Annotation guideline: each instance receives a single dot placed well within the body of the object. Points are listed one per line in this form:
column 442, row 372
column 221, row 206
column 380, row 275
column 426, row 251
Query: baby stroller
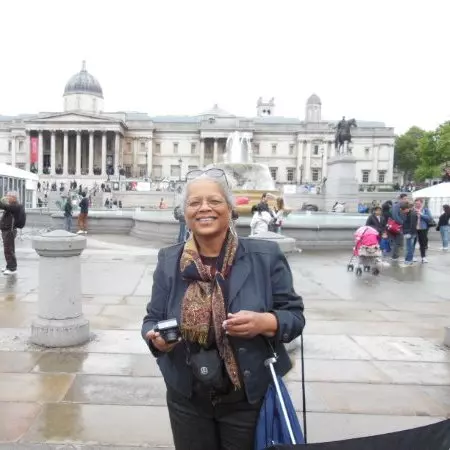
column 366, row 252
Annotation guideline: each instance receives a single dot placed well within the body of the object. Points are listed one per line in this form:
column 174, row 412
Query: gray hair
column 220, row 182
column 13, row 194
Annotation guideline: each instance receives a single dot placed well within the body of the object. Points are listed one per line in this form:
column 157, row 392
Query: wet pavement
column 373, row 346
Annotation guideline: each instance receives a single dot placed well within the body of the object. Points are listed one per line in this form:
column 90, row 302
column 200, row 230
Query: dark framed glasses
column 213, row 172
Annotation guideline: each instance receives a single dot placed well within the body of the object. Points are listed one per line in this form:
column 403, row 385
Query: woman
column 409, row 231
column 377, row 221
column 260, row 220
column 443, row 226
column 424, row 218
column 231, row 297
column 279, row 214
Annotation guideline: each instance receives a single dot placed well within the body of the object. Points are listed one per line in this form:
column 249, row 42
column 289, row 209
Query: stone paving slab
column 373, row 349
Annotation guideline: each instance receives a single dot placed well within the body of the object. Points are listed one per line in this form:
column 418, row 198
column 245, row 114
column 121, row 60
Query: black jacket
column 261, row 281
column 410, row 224
column 443, row 220
column 10, row 215
column 379, row 225
column 84, row 205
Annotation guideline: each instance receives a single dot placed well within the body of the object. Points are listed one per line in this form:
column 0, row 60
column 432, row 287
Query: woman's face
column 418, row 204
column 378, row 212
column 207, row 212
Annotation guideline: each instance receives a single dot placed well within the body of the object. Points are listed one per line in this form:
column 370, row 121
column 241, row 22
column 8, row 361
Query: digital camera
column 169, row 330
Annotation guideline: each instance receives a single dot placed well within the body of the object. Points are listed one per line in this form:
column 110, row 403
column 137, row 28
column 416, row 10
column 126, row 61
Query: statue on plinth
column 343, row 136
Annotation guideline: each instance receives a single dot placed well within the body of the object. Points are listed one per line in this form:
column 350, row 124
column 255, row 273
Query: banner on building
column 33, row 150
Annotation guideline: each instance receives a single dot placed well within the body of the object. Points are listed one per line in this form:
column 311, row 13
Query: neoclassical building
column 86, row 143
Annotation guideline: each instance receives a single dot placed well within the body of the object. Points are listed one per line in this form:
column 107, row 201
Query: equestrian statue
column 343, row 135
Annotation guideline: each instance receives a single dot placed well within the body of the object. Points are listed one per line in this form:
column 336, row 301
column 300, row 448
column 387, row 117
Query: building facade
column 87, row 144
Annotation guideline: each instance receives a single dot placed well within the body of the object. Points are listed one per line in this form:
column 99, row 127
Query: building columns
column 91, row 153
column 78, row 154
column 215, row 152
column 299, row 168
column 135, row 157
column 40, row 153
column 28, row 151
column 66, row 154
column 13, row 151
column 308, row 161
column 374, row 177
column 52, row 152
column 116, row 152
column 149, row 158
column 202, row 153
column 103, row 168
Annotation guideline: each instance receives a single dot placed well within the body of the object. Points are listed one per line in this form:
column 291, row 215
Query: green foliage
column 407, row 152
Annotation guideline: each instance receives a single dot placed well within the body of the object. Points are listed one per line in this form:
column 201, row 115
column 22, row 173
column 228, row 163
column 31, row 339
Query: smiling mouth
column 205, row 219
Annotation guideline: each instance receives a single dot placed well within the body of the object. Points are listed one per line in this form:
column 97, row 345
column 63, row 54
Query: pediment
column 72, row 117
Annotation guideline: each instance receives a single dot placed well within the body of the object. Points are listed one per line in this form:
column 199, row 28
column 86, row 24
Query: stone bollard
column 60, row 321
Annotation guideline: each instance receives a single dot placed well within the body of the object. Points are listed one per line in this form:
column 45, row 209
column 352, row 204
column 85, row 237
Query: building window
column 273, row 172
column 20, row 166
column 193, row 149
column 290, row 174
column 128, row 149
column 315, row 174
column 9, row 146
column 128, row 171
column 256, row 149
column 20, row 146
column 157, row 172
column 291, row 149
column 142, row 170
column 175, row 148
column 365, row 176
column 316, row 150
column 381, row 176
column 175, row 171
column 366, row 150
column 274, row 149
column 142, row 147
column 192, row 168
column 157, row 148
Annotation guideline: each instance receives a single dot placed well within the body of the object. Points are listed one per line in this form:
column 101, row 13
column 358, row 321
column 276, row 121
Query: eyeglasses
column 213, row 172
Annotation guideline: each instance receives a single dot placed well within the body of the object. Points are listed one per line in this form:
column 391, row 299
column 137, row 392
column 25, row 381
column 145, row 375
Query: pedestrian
column 377, row 221
column 68, row 209
column 13, row 217
column 228, row 297
column 443, row 226
column 83, row 214
column 409, row 231
column 397, row 238
column 424, row 220
column 178, row 215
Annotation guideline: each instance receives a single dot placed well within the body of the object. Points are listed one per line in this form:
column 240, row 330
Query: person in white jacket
column 260, row 221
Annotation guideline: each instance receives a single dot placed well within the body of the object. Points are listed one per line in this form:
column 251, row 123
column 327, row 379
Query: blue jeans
column 68, row 223
column 410, row 246
column 444, row 235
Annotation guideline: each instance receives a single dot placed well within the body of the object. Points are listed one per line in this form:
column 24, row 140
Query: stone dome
column 314, row 100
column 83, row 83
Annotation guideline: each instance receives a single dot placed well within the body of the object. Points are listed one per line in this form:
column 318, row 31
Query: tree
column 434, row 152
column 407, row 152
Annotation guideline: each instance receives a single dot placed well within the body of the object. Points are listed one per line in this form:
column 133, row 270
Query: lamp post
column 180, row 162
column 301, row 174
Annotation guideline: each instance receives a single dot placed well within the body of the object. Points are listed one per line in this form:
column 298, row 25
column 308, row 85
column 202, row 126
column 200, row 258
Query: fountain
column 248, row 180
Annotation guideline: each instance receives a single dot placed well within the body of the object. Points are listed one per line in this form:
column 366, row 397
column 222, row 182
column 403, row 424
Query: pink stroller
column 366, row 252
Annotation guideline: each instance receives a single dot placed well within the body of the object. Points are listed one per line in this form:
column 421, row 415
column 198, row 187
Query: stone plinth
column 447, row 336
column 60, row 321
column 342, row 185
column 287, row 244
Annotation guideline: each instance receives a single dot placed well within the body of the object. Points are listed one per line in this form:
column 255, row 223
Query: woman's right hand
column 158, row 342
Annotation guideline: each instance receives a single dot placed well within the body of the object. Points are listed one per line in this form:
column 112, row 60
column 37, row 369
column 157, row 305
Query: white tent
column 437, row 195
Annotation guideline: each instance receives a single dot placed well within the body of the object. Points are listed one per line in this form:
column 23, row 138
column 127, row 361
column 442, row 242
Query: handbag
column 393, row 227
column 208, row 368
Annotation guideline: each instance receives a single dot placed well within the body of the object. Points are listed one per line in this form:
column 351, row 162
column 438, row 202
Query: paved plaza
column 375, row 361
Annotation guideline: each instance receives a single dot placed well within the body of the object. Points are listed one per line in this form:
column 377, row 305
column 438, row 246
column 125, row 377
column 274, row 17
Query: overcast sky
column 387, row 61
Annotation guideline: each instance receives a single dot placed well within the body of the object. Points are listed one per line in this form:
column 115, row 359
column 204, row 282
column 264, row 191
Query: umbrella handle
column 269, row 363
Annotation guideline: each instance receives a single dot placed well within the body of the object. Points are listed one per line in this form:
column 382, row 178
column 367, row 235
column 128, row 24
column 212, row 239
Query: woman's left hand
column 250, row 324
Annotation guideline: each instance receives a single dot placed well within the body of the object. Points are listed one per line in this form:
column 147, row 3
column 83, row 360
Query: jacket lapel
column 239, row 273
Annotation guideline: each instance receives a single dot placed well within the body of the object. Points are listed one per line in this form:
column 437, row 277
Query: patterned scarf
column 204, row 302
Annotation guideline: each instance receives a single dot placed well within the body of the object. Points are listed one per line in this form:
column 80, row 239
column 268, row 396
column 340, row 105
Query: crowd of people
column 405, row 224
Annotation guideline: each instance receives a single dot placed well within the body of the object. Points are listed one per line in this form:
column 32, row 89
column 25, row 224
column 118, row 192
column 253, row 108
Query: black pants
column 212, row 423
column 9, row 248
column 422, row 237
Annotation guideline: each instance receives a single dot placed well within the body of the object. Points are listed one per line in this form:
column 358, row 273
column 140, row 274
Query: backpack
column 21, row 218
